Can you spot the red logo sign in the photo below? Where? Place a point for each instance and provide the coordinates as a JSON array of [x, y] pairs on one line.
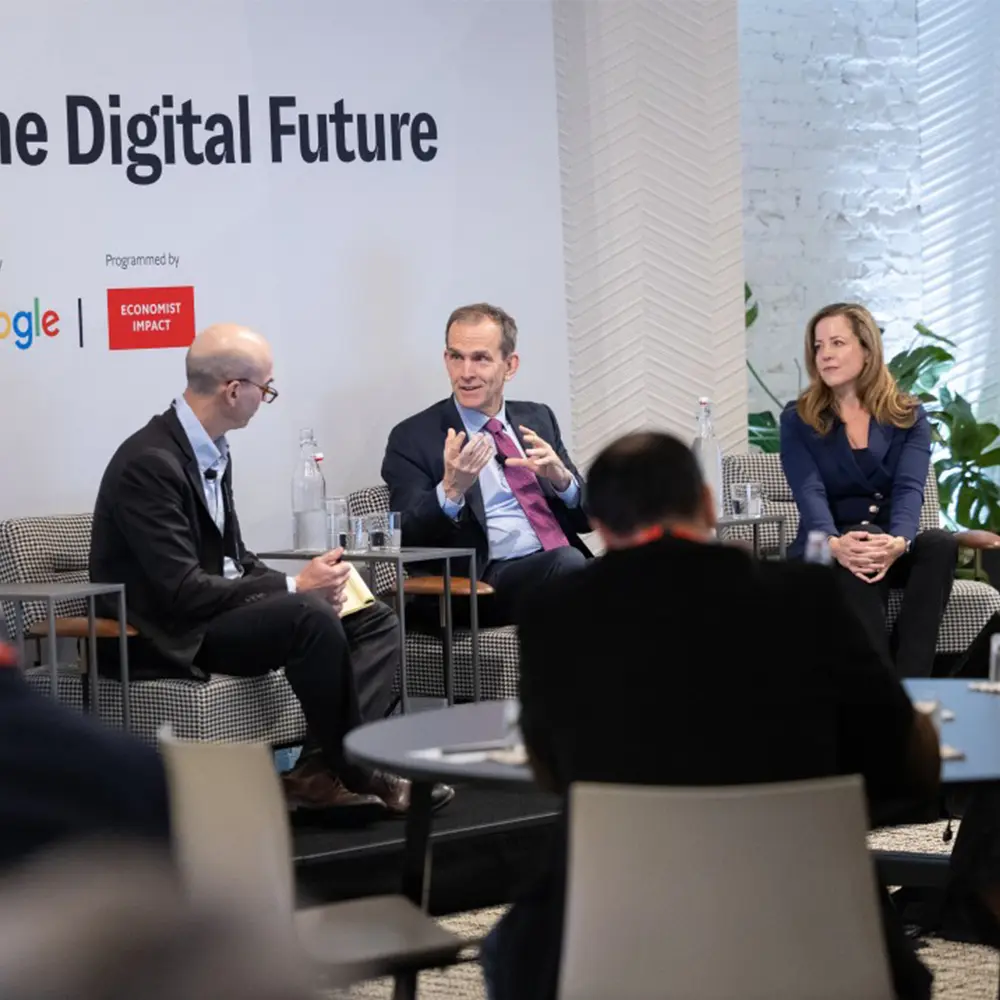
[[141, 318]]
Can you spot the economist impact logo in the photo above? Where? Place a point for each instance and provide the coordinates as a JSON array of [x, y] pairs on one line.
[[141, 318]]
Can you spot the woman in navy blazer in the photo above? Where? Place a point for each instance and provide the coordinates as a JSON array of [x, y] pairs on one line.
[[856, 452]]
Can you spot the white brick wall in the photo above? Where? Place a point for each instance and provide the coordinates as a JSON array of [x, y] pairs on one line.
[[831, 145]]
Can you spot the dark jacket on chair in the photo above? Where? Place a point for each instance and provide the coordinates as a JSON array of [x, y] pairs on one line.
[[154, 533], [414, 465], [833, 493]]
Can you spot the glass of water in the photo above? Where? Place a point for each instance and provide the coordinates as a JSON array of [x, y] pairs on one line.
[[337, 519], [357, 535], [385, 531], [747, 500]]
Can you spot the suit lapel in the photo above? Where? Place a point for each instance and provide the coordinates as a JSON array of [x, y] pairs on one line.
[[190, 463], [879, 439], [474, 497], [878, 445]]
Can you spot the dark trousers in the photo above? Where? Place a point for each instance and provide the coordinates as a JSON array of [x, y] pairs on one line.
[[925, 574], [974, 867], [341, 669], [514, 579]]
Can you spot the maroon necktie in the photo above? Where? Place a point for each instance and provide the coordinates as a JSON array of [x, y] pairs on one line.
[[525, 486]]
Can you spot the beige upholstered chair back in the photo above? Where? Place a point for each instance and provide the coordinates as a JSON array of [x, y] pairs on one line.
[[715, 892]]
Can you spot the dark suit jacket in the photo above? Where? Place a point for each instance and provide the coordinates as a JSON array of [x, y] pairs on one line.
[[414, 465], [833, 493], [680, 663], [154, 533], [63, 776]]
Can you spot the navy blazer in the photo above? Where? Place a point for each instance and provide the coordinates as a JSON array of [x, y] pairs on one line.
[[414, 464], [833, 493]]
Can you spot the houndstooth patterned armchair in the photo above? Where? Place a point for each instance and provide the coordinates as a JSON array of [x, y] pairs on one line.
[[972, 603], [498, 647], [226, 709]]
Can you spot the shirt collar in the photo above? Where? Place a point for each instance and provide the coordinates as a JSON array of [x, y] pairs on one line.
[[475, 420], [208, 453]]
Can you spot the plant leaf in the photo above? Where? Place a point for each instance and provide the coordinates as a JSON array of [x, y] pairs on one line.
[[925, 331]]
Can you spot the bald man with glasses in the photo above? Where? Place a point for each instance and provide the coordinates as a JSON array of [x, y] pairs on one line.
[[165, 525]]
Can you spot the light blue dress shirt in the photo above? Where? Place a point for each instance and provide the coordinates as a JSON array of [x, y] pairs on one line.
[[508, 530], [211, 454]]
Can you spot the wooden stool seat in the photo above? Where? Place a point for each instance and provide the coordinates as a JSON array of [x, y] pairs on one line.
[[433, 586], [79, 628]]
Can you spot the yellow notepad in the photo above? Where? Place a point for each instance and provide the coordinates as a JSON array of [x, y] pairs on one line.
[[357, 593]]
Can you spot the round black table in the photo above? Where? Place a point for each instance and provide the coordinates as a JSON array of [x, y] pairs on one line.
[[389, 745]]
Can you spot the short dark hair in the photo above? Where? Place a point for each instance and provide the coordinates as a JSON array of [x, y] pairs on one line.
[[642, 479], [479, 311]]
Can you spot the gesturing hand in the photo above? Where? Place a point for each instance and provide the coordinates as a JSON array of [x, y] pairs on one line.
[[463, 461], [543, 461]]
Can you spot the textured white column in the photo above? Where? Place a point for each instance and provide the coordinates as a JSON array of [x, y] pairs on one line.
[[652, 208]]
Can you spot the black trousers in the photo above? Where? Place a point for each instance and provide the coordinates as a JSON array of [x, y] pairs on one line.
[[511, 579], [925, 574], [514, 579], [341, 669]]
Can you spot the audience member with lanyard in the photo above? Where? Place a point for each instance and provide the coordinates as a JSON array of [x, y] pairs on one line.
[[672, 660]]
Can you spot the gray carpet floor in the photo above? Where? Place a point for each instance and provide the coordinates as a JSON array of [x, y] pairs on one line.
[[961, 972]]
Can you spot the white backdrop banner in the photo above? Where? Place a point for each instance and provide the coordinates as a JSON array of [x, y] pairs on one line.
[[336, 175]]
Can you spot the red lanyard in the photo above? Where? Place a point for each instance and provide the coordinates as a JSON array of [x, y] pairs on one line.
[[657, 532]]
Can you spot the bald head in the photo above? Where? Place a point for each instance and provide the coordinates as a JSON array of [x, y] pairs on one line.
[[224, 352]]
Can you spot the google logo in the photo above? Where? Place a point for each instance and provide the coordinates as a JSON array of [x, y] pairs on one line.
[[25, 325]]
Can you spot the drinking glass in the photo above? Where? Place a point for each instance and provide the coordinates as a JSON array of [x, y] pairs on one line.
[[336, 522], [357, 535], [747, 500], [385, 531]]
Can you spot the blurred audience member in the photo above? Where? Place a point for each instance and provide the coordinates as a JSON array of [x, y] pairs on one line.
[[110, 922], [64, 775], [672, 660]]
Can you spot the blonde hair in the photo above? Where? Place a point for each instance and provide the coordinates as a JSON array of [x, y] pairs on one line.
[[877, 389]]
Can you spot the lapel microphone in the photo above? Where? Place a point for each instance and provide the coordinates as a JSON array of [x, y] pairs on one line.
[[211, 473], [501, 460]]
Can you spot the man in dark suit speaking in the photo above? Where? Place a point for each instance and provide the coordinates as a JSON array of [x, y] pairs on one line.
[[165, 525], [478, 471]]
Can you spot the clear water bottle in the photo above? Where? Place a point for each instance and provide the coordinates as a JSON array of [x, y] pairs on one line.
[[709, 454], [309, 527], [818, 548]]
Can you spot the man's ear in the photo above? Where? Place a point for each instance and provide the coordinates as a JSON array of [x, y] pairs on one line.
[[608, 540], [513, 362]]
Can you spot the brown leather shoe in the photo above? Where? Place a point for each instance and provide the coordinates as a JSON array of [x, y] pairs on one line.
[[395, 792], [321, 796]]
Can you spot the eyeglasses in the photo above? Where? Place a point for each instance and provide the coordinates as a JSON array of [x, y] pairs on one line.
[[268, 393]]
